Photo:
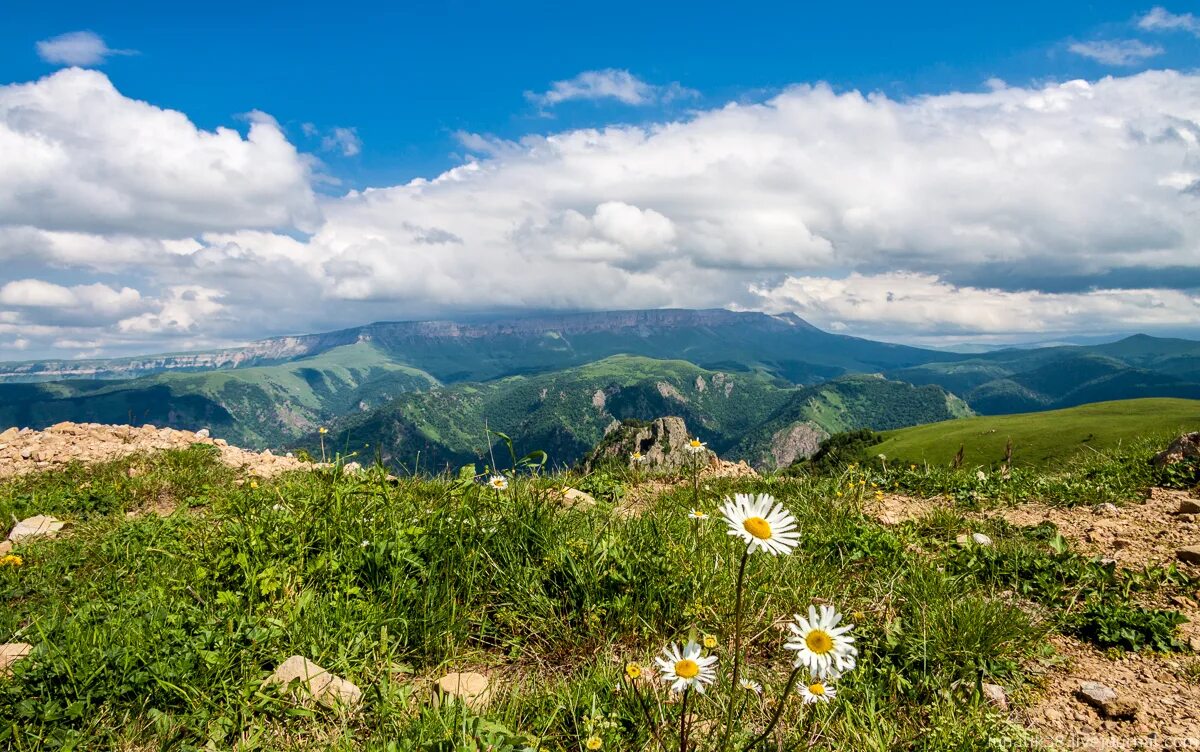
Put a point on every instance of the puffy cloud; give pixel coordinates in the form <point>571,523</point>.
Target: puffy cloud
<point>77,156</point>
<point>610,83</point>
<point>1161,19</point>
<point>916,304</point>
<point>342,140</point>
<point>49,302</point>
<point>991,197</point>
<point>84,48</point>
<point>1116,52</point>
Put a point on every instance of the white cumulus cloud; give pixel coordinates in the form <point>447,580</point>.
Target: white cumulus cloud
<point>1161,19</point>
<point>82,48</point>
<point>1117,51</point>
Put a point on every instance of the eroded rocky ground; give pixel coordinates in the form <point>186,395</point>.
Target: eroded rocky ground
<point>1163,689</point>
<point>23,450</point>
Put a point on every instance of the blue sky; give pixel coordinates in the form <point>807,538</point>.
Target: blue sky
<point>189,175</point>
<point>407,76</point>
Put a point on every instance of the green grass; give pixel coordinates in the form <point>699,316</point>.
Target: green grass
<point>157,632</point>
<point>1042,439</point>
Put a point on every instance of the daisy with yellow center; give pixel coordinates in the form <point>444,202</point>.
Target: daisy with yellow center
<point>594,743</point>
<point>696,446</point>
<point>750,686</point>
<point>761,523</point>
<point>685,668</point>
<point>637,457</point>
<point>11,560</point>
<point>498,482</point>
<point>821,644</point>
<point>818,691</point>
<point>696,514</point>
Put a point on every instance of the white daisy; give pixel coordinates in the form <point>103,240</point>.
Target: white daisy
<point>696,514</point>
<point>498,482</point>
<point>750,686</point>
<point>761,523</point>
<point>820,644</point>
<point>686,668</point>
<point>696,446</point>
<point>818,691</point>
<point>638,457</point>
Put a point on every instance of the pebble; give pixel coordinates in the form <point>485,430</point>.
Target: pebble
<point>471,688</point>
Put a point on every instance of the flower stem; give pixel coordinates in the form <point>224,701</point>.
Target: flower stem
<point>683,724</point>
<point>651,723</point>
<point>787,690</point>
<point>737,645</point>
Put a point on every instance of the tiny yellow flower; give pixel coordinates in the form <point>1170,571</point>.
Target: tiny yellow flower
<point>11,560</point>
<point>858,616</point>
<point>633,670</point>
<point>322,429</point>
<point>710,641</point>
<point>862,483</point>
<point>594,743</point>
<point>912,467</point>
<point>839,493</point>
<point>254,484</point>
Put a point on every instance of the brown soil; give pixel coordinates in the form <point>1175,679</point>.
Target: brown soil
<point>25,451</point>
<point>1165,687</point>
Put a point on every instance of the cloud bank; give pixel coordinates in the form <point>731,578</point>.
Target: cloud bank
<point>969,212</point>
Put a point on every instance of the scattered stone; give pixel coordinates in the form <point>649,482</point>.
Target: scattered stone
<point>469,687</point>
<point>1188,506</point>
<point>350,468</point>
<point>573,497</point>
<point>39,526</point>
<point>1189,554</point>
<point>962,539</point>
<point>995,696</point>
<point>981,539</point>
<point>1186,518</point>
<point>1105,700</point>
<point>1186,447</point>
<point>203,433</point>
<point>1120,544</point>
<point>330,690</point>
<point>1107,509</point>
<point>10,653</point>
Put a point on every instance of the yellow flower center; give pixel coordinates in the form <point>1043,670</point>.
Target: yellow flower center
<point>819,641</point>
<point>817,689</point>
<point>695,443</point>
<point>687,669</point>
<point>758,527</point>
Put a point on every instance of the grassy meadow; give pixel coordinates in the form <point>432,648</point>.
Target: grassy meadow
<point>156,630</point>
<point>1044,438</point>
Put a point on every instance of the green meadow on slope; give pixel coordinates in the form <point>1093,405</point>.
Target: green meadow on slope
<point>1044,438</point>
<point>258,406</point>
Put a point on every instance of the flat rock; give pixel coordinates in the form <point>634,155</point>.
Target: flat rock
<point>1106,700</point>
<point>981,539</point>
<point>1107,509</point>
<point>574,497</point>
<point>330,690</point>
<point>995,696</point>
<point>1189,554</point>
<point>471,688</point>
<point>1188,506</point>
<point>6,546</point>
<point>12,652</point>
<point>39,526</point>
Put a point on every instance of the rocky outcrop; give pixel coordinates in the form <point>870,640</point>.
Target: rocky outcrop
<point>662,444</point>
<point>24,450</point>
<point>797,441</point>
<point>1186,448</point>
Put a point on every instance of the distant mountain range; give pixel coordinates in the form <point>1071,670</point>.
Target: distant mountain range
<point>760,387</point>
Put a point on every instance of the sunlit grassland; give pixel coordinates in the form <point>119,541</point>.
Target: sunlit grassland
<point>157,632</point>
